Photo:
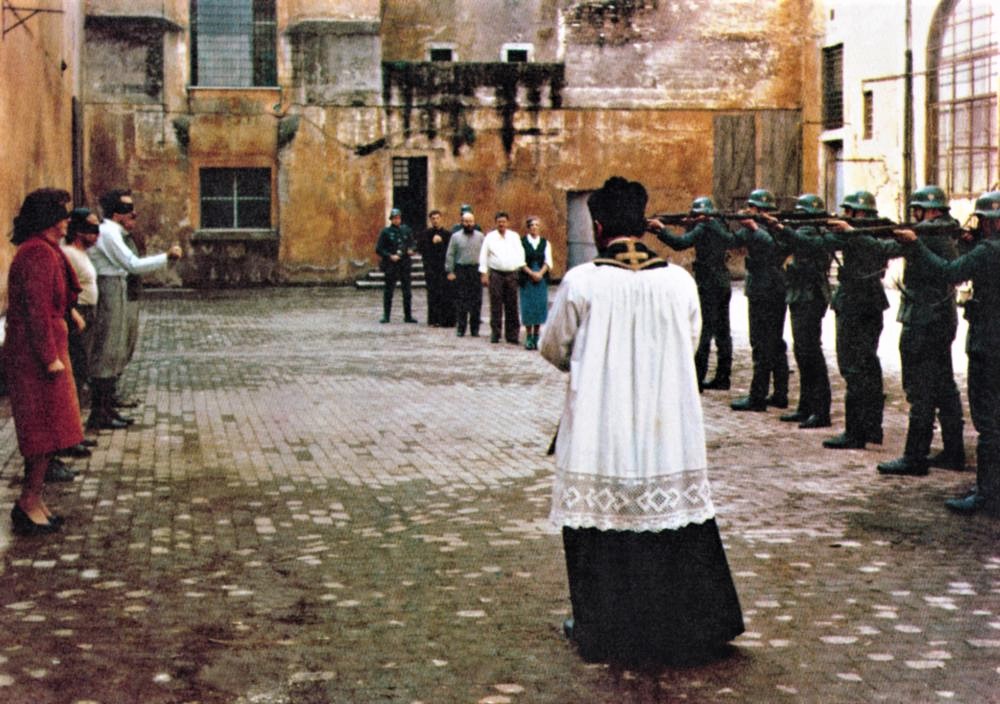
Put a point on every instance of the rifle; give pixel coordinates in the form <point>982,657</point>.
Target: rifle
<point>676,218</point>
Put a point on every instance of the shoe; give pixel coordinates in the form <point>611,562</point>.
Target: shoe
<point>903,466</point>
<point>844,442</point>
<point>717,384</point>
<point>794,417</point>
<point>874,437</point>
<point>947,460</point>
<point>87,442</point>
<point>748,404</point>
<point>23,525</point>
<point>58,472</point>
<point>494,339</point>
<point>967,504</point>
<point>514,342</point>
<point>474,333</point>
<point>815,421</point>
<point>106,424</point>
<point>777,401</point>
<point>124,402</point>
<point>410,320</point>
<point>384,320</point>
<point>460,333</point>
<point>115,415</point>
<point>78,450</point>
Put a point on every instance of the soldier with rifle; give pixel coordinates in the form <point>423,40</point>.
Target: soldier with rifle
<point>808,296</point>
<point>859,303</point>
<point>765,292</point>
<point>928,315</point>
<point>980,264</point>
<point>711,240</point>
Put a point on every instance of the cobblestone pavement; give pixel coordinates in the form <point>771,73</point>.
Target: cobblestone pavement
<point>313,507</point>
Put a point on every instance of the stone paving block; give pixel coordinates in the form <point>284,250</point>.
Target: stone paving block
<point>313,507</point>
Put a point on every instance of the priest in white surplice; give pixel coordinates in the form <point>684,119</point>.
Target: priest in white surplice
<point>648,576</point>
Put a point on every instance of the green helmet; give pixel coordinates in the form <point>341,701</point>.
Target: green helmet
<point>810,203</point>
<point>703,205</point>
<point>988,205</point>
<point>862,201</point>
<point>929,197</point>
<point>763,199</point>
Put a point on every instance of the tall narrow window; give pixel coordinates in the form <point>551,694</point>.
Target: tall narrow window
<point>833,87</point>
<point>964,62</point>
<point>868,103</point>
<point>233,43</point>
<point>235,199</point>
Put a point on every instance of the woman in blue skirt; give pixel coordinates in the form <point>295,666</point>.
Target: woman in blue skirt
<point>534,281</point>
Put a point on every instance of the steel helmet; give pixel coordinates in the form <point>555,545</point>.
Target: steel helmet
<point>988,205</point>
<point>929,197</point>
<point>810,203</point>
<point>703,205</point>
<point>763,199</point>
<point>862,201</point>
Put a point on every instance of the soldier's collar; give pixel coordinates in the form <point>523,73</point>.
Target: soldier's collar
<point>628,253</point>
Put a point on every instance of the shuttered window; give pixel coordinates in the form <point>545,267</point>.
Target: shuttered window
<point>833,87</point>
<point>233,43</point>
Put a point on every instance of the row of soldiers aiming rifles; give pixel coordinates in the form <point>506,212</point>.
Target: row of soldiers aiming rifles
<point>789,255</point>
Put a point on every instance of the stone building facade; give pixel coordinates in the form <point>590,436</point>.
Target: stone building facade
<point>271,138</point>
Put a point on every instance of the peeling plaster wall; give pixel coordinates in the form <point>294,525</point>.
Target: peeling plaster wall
<point>36,92</point>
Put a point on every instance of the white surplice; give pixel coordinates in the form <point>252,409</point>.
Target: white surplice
<point>630,452</point>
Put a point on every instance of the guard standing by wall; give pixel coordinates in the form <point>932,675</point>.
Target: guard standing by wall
<point>396,246</point>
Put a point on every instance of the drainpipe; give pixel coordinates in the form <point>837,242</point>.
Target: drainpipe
<point>908,108</point>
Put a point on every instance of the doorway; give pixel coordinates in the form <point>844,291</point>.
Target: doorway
<point>409,190</point>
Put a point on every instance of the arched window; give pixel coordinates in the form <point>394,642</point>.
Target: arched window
<point>963,64</point>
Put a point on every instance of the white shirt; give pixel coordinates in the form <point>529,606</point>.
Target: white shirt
<point>112,257</point>
<point>630,453</point>
<point>501,252</point>
<point>85,274</point>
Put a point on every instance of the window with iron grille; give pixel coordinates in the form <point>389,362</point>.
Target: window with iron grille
<point>962,109</point>
<point>400,172</point>
<point>235,199</point>
<point>233,43</point>
<point>833,87</point>
<point>868,101</point>
<point>442,54</point>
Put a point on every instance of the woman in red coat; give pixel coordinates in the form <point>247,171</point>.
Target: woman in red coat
<point>40,292</point>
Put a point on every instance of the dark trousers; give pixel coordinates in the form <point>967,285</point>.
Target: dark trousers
<point>807,346</point>
<point>929,384</point>
<point>714,326</point>
<point>768,348</point>
<point>857,359</point>
<point>984,406</point>
<point>440,299</point>
<point>468,297</point>
<point>397,271</point>
<point>79,347</point>
<point>503,305</point>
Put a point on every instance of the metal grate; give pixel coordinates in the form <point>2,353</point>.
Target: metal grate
<point>400,172</point>
<point>868,100</point>
<point>233,43</point>
<point>833,87</point>
<point>965,112</point>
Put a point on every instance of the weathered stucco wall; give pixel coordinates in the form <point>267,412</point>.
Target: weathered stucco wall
<point>629,87</point>
<point>38,72</point>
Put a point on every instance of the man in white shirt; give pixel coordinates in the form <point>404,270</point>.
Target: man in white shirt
<point>114,261</point>
<point>648,576</point>
<point>501,257</point>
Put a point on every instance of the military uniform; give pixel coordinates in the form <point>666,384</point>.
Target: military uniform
<point>396,240</point>
<point>981,265</point>
<point>711,240</point>
<point>807,277</point>
<point>859,303</point>
<point>765,291</point>
<point>928,315</point>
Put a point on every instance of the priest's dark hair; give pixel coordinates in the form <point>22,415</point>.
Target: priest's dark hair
<point>620,207</point>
